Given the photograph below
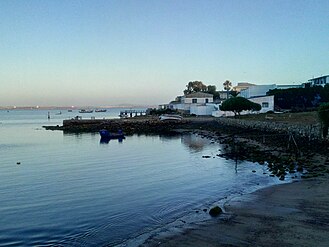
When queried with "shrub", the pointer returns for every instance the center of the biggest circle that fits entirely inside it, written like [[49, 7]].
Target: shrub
[[323, 113]]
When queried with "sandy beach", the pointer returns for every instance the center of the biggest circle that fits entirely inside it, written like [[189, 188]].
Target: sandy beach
[[295, 214], [291, 214]]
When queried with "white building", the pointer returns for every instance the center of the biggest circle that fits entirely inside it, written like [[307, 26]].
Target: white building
[[319, 81], [200, 104], [266, 102], [256, 91], [242, 86], [204, 109], [198, 98]]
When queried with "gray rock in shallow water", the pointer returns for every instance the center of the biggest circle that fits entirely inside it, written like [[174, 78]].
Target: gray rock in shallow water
[[215, 211]]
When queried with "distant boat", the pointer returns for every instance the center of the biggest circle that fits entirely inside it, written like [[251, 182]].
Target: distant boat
[[86, 111], [69, 110], [59, 113], [100, 110], [167, 117]]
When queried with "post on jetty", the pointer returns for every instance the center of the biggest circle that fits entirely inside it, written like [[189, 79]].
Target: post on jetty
[[132, 113]]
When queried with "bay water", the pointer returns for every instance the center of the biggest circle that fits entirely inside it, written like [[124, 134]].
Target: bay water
[[60, 189]]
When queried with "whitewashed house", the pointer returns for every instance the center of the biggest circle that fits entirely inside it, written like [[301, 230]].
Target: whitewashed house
[[256, 91], [319, 81], [266, 102], [257, 94], [200, 104], [199, 98], [241, 86]]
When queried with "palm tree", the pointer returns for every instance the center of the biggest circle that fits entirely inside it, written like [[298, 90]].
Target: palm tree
[[227, 86]]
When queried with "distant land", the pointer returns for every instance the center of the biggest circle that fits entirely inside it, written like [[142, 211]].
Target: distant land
[[73, 107]]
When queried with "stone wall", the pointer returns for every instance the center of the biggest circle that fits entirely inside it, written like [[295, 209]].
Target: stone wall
[[309, 131]]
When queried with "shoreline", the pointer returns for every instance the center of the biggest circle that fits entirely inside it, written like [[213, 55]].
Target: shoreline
[[290, 214]]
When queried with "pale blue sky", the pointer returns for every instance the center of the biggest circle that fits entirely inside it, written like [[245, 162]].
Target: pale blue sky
[[145, 52]]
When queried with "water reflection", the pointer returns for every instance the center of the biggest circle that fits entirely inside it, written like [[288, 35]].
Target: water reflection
[[169, 137], [79, 136], [106, 140], [194, 142]]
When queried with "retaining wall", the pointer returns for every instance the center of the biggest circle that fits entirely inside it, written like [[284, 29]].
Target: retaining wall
[[309, 131]]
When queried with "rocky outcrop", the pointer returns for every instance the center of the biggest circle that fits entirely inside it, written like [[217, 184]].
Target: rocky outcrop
[[129, 126], [215, 211]]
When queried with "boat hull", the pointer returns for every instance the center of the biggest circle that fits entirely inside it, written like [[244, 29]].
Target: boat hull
[[170, 118], [108, 135]]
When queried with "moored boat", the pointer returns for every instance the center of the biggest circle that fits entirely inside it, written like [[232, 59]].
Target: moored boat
[[106, 134], [86, 111], [170, 117]]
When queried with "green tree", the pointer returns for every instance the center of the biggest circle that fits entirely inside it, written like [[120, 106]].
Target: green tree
[[198, 86], [323, 113], [227, 85], [300, 98], [211, 89], [195, 86], [239, 104]]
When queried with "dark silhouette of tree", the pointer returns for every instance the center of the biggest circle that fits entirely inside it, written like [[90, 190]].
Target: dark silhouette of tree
[[300, 98], [198, 86], [211, 89], [195, 86], [227, 85], [239, 104]]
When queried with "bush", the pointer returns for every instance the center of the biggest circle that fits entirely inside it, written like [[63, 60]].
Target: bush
[[323, 113]]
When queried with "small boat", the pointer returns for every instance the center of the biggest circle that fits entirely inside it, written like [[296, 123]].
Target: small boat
[[168, 117], [86, 111], [69, 110], [100, 110], [108, 135]]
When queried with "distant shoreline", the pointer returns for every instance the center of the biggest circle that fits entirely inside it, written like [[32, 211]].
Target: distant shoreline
[[71, 108]]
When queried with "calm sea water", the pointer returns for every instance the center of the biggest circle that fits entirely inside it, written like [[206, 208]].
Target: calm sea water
[[72, 190]]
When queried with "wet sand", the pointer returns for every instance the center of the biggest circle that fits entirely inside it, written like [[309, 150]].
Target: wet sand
[[295, 214], [292, 214]]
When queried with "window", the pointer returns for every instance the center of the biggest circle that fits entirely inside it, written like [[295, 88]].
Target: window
[[194, 101], [264, 104], [207, 100]]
